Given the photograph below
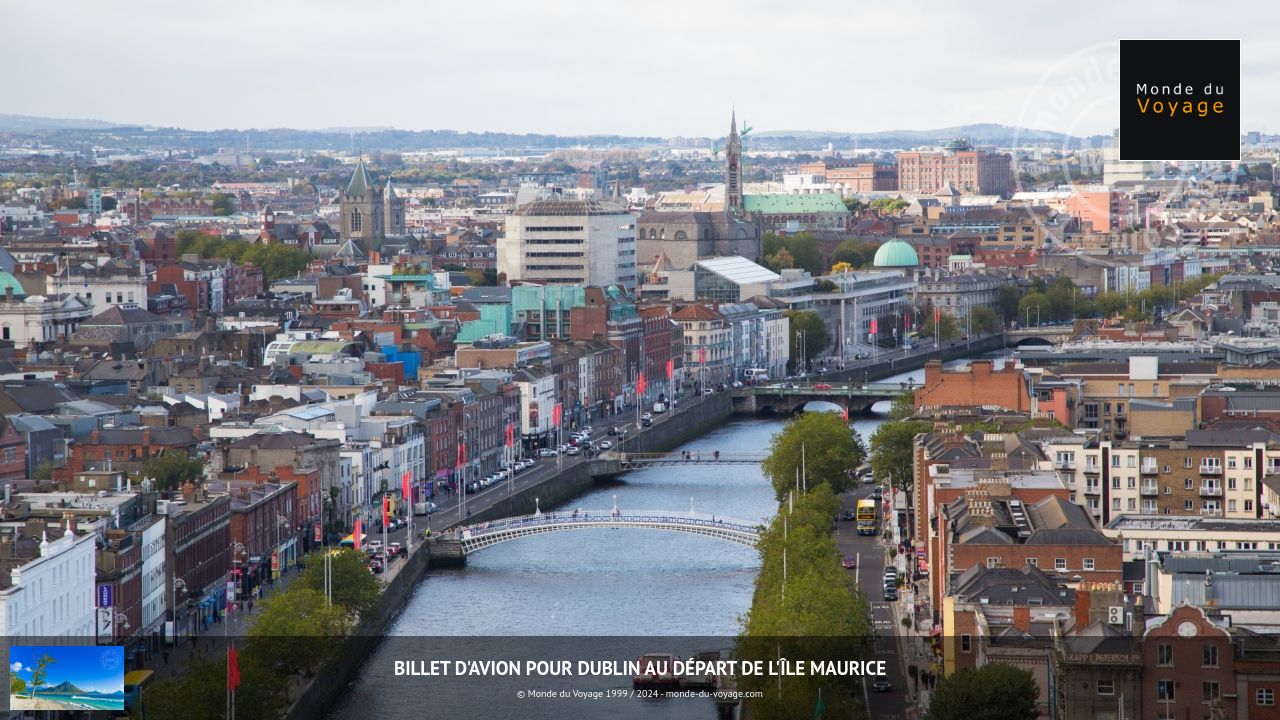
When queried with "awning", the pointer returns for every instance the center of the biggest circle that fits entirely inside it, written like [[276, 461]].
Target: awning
[[136, 677]]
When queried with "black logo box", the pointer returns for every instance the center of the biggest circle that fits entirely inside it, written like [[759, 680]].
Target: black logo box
[[1185, 68]]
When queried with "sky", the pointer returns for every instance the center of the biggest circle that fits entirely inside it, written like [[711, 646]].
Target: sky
[[659, 68], [88, 667]]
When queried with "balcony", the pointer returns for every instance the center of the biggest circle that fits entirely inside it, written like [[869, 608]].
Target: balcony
[[1093, 489], [1064, 464], [1150, 488], [1092, 469], [1150, 468], [1211, 512], [1207, 469], [1210, 491]]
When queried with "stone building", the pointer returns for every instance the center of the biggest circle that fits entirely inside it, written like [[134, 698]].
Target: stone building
[[370, 213]]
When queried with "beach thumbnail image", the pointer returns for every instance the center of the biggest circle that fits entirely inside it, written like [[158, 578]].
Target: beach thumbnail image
[[66, 677]]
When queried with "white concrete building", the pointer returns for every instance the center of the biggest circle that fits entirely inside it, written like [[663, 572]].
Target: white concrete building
[[27, 320], [570, 242], [112, 282], [154, 598], [52, 594]]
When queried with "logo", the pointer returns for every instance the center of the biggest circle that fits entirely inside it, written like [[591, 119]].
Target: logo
[[112, 658], [1180, 99]]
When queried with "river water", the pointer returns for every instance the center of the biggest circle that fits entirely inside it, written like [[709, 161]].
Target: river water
[[574, 585]]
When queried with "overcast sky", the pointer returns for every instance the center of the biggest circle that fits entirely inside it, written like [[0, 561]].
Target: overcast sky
[[658, 67]]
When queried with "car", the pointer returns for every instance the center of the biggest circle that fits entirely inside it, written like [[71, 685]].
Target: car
[[890, 594], [613, 430], [573, 450], [473, 487], [547, 452], [394, 549], [850, 515], [605, 444], [708, 391], [822, 386], [849, 562], [375, 545], [737, 383], [375, 567], [881, 685], [588, 430], [646, 416]]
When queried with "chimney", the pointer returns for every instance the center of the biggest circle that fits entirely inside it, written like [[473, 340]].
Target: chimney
[[1084, 604], [69, 522], [1022, 618], [33, 528]]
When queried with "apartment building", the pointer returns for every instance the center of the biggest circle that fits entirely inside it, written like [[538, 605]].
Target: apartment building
[[569, 242]]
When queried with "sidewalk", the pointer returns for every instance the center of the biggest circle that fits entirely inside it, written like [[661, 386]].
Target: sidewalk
[[911, 644]]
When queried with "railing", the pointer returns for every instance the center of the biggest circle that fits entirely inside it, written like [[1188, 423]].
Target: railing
[[1089, 468], [1207, 469], [1150, 468], [1210, 490], [1093, 489], [1064, 464], [1150, 489], [482, 535]]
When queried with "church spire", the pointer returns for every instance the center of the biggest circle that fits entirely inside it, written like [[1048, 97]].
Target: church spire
[[733, 167]]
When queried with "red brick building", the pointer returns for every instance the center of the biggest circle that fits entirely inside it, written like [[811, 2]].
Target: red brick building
[[978, 384], [123, 448], [263, 521], [968, 170]]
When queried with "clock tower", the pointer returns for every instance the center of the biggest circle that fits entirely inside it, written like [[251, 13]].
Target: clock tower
[[733, 169]]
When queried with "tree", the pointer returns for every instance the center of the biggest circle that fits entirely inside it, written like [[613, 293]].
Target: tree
[[816, 336], [354, 587], [277, 261], [40, 673], [828, 448], [16, 684], [856, 252], [1009, 295], [889, 205], [298, 631], [223, 204], [109, 203], [781, 260], [946, 329], [1034, 307], [983, 320], [995, 691], [892, 457], [854, 204], [71, 203], [172, 468], [43, 471], [801, 247], [903, 406]]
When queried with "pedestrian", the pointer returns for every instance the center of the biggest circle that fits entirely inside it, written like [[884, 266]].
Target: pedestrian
[[250, 604]]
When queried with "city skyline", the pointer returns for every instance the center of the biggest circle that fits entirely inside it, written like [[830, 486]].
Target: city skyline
[[594, 70]]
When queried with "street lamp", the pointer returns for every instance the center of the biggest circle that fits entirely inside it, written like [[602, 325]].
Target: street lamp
[[281, 522], [178, 584]]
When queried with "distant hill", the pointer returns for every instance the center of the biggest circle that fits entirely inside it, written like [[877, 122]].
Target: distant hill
[[62, 688], [26, 123], [978, 134]]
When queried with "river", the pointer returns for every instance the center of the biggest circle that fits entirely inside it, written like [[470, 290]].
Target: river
[[575, 585]]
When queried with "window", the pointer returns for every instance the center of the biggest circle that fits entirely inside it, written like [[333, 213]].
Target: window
[[1088, 563], [1059, 563], [1164, 690], [1115, 482], [966, 643], [1106, 687], [1033, 562], [1186, 462], [993, 562], [1210, 655], [1265, 696], [1248, 506], [1231, 463], [1164, 654], [1188, 505], [1210, 690]]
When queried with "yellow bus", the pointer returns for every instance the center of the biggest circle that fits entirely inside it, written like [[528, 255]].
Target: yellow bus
[[868, 518]]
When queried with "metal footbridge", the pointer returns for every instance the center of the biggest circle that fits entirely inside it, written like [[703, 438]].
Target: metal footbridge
[[486, 534], [639, 461]]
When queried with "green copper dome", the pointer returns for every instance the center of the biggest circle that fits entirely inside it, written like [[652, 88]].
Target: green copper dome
[[895, 254], [8, 281]]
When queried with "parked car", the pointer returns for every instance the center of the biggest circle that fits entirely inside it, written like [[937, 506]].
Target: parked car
[[394, 549], [850, 515], [849, 562], [613, 430], [573, 450], [881, 685], [375, 567], [822, 386], [547, 452], [424, 508], [890, 594]]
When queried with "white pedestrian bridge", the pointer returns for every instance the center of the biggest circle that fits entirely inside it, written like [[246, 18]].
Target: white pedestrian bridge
[[486, 534]]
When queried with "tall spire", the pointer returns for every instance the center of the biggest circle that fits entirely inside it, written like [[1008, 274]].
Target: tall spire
[[733, 167], [360, 181]]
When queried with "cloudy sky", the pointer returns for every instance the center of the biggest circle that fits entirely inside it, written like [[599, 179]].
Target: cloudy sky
[[661, 67]]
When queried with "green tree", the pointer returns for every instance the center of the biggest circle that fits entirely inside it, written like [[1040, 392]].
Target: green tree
[[889, 206], [830, 450], [946, 330], [354, 587], [43, 471], [816, 336], [854, 204], [892, 456], [199, 693], [172, 468], [16, 684], [40, 673], [983, 320], [109, 203], [802, 247], [297, 631], [856, 252], [995, 691], [277, 261], [223, 204], [1009, 295], [1035, 306], [903, 406]]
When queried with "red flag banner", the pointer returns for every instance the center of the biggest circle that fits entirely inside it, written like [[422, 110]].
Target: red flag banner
[[873, 326], [462, 454], [937, 316], [233, 669], [671, 369], [386, 509], [356, 534], [406, 486], [640, 384], [556, 414], [510, 434], [702, 356]]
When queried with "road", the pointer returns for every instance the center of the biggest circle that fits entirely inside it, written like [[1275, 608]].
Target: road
[[449, 514], [870, 553]]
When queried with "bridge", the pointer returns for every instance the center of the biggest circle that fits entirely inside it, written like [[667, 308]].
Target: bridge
[[851, 397], [471, 538], [639, 461], [1042, 335]]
